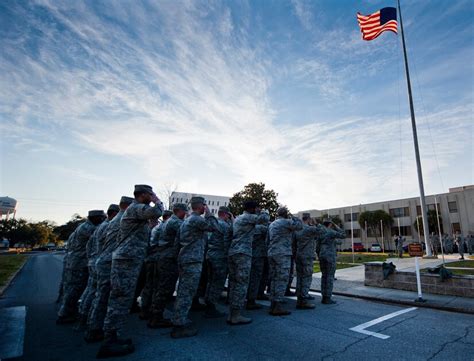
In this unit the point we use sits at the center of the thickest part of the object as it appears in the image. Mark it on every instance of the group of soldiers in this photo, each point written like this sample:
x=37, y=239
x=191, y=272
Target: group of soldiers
x=448, y=243
x=190, y=252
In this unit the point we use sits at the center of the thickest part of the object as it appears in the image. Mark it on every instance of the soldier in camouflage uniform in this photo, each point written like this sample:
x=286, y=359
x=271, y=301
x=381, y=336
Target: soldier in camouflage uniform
x=127, y=261
x=192, y=242
x=399, y=243
x=470, y=244
x=326, y=250
x=435, y=244
x=103, y=265
x=216, y=257
x=167, y=263
x=460, y=242
x=279, y=257
x=240, y=261
x=93, y=249
x=151, y=268
x=259, y=254
x=76, y=274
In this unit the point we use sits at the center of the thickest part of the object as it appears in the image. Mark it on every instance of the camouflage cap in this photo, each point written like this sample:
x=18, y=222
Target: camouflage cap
x=96, y=213
x=180, y=206
x=282, y=211
x=326, y=221
x=143, y=188
x=127, y=200
x=167, y=213
x=224, y=209
x=113, y=208
x=198, y=200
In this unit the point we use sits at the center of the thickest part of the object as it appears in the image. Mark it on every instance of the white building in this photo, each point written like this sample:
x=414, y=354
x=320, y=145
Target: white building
x=213, y=202
x=7, y=207
x=456, y=209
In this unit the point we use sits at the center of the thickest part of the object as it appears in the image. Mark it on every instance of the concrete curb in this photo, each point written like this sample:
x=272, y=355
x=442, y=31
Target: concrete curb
x=406, y=303
x=12, y=277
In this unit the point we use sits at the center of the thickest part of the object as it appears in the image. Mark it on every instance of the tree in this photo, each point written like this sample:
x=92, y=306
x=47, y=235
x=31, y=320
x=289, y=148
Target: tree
x=267, y=198
x=164, y=193
x=372, y=219
x=64, y=231
x=432, y=223
x=23, y=232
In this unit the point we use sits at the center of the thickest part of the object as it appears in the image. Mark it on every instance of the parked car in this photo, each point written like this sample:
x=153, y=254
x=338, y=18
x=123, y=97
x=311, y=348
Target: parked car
x=375, y=248
x=359, y=247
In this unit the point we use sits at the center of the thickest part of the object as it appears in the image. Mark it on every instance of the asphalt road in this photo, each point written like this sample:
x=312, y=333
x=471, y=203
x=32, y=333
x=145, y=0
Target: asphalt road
x=398, y=332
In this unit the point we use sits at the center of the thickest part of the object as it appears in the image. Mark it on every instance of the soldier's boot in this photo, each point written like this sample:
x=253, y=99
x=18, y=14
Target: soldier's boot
x=197, y=306
x=289, y=292
x=235, y=318
x=212, y=312
x=144, y=315
x=278, y=310
x=91, y=336
x=82, y=325
x=328, y=301
x=63, y=320
x=303, y=304
x=309, y=298
x=113, y=347
x=183, y=331
x=158, y=321
x=252, y=305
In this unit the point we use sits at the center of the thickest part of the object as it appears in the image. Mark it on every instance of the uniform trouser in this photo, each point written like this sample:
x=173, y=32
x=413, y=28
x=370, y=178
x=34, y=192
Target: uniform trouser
x=291, y=273
x=123, y=280
x=167, y=275
x=151, y=268
x=201, y=291
x=304, y=275
x=279, y=271
x=471, y=247
x=216, y=276
x=239, y=275
x=89, y=293
x=328, y=269
x=99, y=304
x=189, y=276
x=264, y=282
x=74, y=284
x=461, y=249
x=256, y=273
x=61, y=284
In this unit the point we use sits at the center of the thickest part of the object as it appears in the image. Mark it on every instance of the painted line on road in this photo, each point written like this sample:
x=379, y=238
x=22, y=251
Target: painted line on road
x=12, y=331
x=362, y=328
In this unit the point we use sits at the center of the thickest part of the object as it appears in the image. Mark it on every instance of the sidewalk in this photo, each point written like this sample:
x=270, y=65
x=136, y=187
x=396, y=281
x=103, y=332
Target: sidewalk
x=350, y=282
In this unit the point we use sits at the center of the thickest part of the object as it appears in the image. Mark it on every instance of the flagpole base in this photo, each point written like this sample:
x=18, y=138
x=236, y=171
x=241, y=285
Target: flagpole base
x=420, y=300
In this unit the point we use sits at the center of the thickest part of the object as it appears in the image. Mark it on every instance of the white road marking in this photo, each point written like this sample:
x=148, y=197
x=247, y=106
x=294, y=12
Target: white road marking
x=362, y=328
x=12, y=331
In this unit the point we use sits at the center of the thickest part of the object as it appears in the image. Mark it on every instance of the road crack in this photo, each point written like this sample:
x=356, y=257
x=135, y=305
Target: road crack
x=467, y=330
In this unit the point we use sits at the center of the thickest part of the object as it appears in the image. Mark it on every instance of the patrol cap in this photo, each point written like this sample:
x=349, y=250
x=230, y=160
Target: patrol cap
x=127, y=200
x=306, y=215
x=198, y=200
x=167, y=213
x=180, y=206
x=143, y=188
x=250, y=204
x=96, y=213
x=224, y=209
x=282, y=211
x=113, y=208
x=326, y=221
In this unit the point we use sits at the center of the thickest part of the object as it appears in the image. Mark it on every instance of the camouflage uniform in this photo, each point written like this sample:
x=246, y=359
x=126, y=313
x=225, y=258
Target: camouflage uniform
x=279, y=254
x=259, y=253
x=326, y=250
x=192, y=242
x=217, y=254
x=305, y=254
x=460, y=242
x=167, y=253
x=103, y=266
x=76, y=274
x=399, y=242
x=470, y=244
x=127, y=261
x=93, y=248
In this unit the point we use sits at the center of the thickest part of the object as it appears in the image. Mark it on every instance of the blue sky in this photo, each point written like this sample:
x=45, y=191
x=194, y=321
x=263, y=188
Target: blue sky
x=207, y=96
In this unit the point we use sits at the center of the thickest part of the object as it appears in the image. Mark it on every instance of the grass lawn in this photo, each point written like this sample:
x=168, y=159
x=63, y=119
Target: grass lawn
x=467, y=264
x=9, y=264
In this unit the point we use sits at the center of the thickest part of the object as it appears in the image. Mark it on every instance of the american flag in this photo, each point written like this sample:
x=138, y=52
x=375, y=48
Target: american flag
x=371, y=26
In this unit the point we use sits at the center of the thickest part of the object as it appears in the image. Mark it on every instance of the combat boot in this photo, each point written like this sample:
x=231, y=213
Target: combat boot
x=289, y=293
x=212, y=312
x=328, y=301
x=91, y=336
x=63, y=320
x=252, y=305
x=235, y=318
x=183, y=331
x=309, y=298
x=303, y=304
x=113, y=347
x=278, y=310
x=158, y=321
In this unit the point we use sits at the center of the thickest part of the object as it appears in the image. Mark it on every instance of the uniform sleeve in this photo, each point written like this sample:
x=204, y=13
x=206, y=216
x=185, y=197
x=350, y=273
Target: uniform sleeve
x=209, y=224
x=295, y=224
x=148, y=212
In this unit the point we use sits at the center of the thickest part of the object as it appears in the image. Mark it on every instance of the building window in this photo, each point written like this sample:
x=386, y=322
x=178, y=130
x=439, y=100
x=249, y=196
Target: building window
x=356, y=233
x=431, y=207
x=453, y=207
x=347, y=217
x=404, y=231
x=456, y=227
x=400, y=212
x=217, y=202
x=172, y=200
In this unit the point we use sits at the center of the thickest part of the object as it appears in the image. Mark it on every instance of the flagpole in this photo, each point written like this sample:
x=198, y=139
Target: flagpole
x=415, y=141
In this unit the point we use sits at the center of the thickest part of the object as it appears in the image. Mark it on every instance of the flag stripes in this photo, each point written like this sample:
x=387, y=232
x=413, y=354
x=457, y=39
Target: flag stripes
x=371, y=26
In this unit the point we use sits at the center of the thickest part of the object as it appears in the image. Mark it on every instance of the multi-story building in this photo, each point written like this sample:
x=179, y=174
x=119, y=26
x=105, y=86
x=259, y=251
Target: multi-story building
x=213, y=202
x=456, y=209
